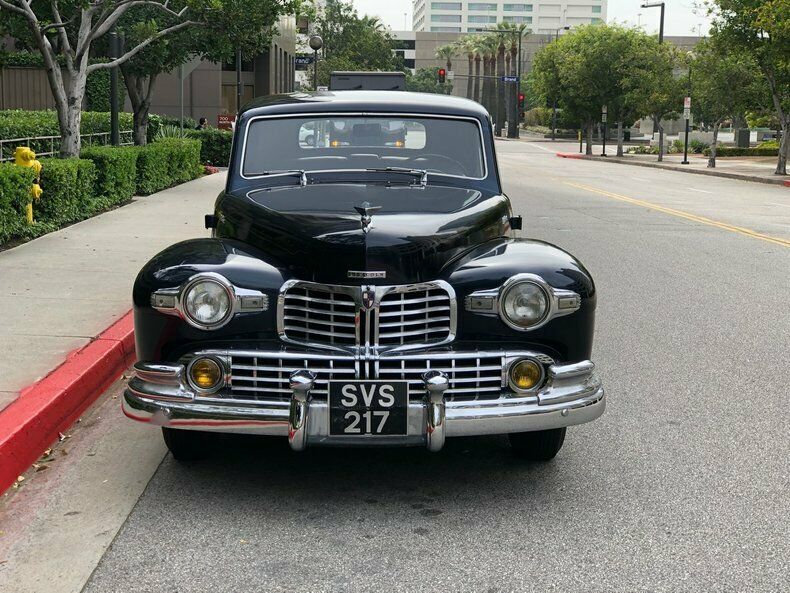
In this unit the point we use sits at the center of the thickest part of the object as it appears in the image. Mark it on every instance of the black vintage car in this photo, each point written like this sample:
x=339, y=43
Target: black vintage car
x=364, y=285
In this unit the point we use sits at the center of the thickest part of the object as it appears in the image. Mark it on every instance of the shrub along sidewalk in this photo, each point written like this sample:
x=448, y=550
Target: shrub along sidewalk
x=104, y=177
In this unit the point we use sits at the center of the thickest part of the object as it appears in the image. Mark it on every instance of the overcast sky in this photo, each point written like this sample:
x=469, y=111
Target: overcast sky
x=680, y=14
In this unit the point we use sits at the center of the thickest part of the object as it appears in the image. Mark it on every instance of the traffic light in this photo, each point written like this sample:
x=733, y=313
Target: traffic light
x=521, y=105
x=442, y=75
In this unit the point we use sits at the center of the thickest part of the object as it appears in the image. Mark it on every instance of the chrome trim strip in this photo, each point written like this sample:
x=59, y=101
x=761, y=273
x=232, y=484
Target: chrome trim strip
x=561, y=302
x=381, y=114
x=170, y=301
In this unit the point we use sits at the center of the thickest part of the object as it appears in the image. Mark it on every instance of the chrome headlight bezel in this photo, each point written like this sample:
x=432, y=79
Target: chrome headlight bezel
x=172, y=301
x=490, y=302
x=510, y=287
x=209, y=278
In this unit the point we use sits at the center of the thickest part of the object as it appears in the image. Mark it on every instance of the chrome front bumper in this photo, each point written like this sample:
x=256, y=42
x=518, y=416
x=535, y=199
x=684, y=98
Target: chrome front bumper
x=160, y=395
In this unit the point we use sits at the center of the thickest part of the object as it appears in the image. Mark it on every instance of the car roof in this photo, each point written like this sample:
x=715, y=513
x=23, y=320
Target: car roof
x=364, y=101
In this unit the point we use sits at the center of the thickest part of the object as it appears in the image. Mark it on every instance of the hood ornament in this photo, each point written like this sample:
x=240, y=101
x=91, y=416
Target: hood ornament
x=366, y=211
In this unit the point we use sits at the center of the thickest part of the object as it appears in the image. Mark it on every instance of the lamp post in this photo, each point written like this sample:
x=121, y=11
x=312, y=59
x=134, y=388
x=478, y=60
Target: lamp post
x=554, y=100
x=316, y=43
x=115, y=53
x=661, y=24
x=604, y=113
x=687, y=114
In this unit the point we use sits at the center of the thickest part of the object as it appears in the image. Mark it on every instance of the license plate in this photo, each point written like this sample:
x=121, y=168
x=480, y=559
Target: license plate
x=368, y=408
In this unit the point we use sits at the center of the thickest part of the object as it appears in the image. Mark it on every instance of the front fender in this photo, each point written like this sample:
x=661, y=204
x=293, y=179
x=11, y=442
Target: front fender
x=568, y=338
x=163, y=337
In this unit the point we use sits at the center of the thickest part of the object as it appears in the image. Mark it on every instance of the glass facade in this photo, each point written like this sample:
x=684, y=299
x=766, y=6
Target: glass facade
x=445, y=18
x=518, y=19
x=481, y=19
x=517, y=7
x=481, y=6
x=445, y=5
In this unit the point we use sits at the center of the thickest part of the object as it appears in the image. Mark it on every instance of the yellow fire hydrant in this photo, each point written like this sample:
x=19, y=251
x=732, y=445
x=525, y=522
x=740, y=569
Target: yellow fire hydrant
x=24, y=157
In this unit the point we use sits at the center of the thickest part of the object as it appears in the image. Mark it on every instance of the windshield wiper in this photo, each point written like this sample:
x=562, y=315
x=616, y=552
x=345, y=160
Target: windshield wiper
x=282, y=172
x=421, y=173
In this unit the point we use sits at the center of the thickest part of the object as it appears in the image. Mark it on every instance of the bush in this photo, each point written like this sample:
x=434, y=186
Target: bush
x=155, y=122
x=725, y=151
x=69, y=191
x=214, y=146
x=166, y=162
x=15, y=184
x=697, y=146
x=643, y=149
x=538, y=116
x=769, y=144
x=18, y=123
x=116, y=168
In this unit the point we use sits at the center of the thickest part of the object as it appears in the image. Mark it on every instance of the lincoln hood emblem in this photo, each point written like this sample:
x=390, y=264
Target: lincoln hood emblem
x=368, y=299
x=366, y=211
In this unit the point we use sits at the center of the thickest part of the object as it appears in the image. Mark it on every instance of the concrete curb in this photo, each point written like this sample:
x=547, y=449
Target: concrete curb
x=712, y=173
x=48, y=407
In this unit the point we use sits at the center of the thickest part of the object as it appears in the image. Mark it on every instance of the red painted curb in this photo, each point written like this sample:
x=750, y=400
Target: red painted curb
x=569, y=155
x=786, y=183
x=31, y=423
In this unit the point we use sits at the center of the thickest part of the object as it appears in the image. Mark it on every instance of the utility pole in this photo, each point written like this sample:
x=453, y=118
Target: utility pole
x=238, y=80
x=315, y=43
x=661, y=23
x=687, y=114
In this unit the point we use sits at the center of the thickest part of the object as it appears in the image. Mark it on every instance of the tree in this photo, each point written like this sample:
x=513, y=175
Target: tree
x=68, y=29
x=361, y=43
x=724, y=84
x=447, y=52
x=761, y=28
x=466, y=45
x=243, y=25
x=426, y=80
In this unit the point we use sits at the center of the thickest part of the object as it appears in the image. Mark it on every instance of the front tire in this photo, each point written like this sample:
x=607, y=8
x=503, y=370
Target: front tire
x=187, y=445
x=540, y=445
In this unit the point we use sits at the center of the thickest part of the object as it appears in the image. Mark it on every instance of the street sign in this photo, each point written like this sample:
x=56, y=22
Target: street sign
x=509, y=79
x=450, y=75
x=687, y=103
x=226, y=121
x=686, y=113
x=303, y=61
x=604, y=112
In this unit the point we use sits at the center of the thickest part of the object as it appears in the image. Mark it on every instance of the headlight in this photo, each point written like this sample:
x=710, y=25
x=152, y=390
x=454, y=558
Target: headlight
x=524, y=304
x=207, y=303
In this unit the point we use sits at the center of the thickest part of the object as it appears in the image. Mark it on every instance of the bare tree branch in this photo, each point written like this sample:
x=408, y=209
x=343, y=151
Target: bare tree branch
x=105, y=23
x=140, y=46
x=64, y=38
x=12, y=7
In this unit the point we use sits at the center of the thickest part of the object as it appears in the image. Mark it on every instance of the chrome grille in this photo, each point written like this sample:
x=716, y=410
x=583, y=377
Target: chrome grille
x=367, y=318
x=320, y=316
x=414, y=315
x=259, y=376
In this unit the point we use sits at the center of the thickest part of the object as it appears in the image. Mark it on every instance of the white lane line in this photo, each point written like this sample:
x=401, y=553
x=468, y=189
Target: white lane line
x=541, y=147
x=702, y=191
x=778, y=204
x=640, y=179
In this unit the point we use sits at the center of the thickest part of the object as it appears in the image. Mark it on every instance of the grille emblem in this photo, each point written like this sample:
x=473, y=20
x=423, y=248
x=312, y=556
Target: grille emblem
x=366, y=274
x=368, y=299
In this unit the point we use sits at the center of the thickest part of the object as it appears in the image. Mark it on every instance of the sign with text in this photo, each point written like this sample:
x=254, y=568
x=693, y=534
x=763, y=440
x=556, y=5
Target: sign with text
x=225, y=121
x=509, y=79
x=687, y=103
x=303, y=61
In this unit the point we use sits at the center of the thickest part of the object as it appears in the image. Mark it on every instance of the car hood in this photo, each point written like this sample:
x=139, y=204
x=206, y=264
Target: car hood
x=315, y=232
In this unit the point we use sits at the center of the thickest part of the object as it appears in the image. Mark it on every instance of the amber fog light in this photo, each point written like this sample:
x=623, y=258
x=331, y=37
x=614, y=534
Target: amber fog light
x=205, y=374
x=525, y=374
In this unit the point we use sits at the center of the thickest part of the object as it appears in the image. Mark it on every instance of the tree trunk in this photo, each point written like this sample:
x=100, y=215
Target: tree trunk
x=784, y=119
x=485, y=85
x=491, y=84
x=140, y=90
x=500, y=86
x=619, y=138
x=714, y=145
x=477, y=78
x=70, y=115
x=589, y=134
x=471, y=59
x=512, y=120
x=784, y=148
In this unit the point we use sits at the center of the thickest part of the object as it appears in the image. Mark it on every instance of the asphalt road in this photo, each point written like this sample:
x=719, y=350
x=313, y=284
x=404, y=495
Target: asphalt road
x=681, y=486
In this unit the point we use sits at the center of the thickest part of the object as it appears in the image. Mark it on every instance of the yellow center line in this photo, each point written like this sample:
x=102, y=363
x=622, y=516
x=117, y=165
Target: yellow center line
x=682, y=214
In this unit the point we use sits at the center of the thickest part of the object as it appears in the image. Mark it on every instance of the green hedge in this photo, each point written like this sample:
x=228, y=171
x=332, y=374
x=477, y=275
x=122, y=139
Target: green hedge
x=116, y=168
x=15, y=184
x=215, y=146
x=724, y=151
x=167, y=162
x=69, y=191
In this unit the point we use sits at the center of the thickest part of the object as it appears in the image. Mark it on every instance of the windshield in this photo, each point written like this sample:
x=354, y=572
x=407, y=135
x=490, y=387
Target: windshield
x=436, y=145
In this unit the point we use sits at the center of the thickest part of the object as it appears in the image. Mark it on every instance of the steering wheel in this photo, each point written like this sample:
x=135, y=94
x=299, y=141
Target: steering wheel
x=460, y=168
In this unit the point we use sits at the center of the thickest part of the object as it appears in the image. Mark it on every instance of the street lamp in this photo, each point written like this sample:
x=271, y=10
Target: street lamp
x=554, y=101
x=315, y=43
x=687, y=112
x=661, y=25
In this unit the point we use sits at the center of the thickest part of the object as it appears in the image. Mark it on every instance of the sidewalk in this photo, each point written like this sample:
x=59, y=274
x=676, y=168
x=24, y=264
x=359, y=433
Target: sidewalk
x=757, y=169
x=60, y=292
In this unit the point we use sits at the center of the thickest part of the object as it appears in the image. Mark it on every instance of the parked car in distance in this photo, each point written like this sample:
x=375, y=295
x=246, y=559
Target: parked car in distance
x=369, y=291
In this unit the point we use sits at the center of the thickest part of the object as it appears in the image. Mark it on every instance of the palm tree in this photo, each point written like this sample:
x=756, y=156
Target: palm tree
x=373, y=22
x=466, y=45
x=500, y=72
x=446, y=52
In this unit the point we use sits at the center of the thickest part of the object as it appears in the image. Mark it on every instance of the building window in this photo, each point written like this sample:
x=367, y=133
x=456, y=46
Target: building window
x=445, y=6
x=409, y=63
x=596, y=9
x=445, y=29
x=481, y=6
x=445, y=18
x=518, y=8
x=481, y=19
x=595, y=21
x=517, y=19
x=403, y=43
